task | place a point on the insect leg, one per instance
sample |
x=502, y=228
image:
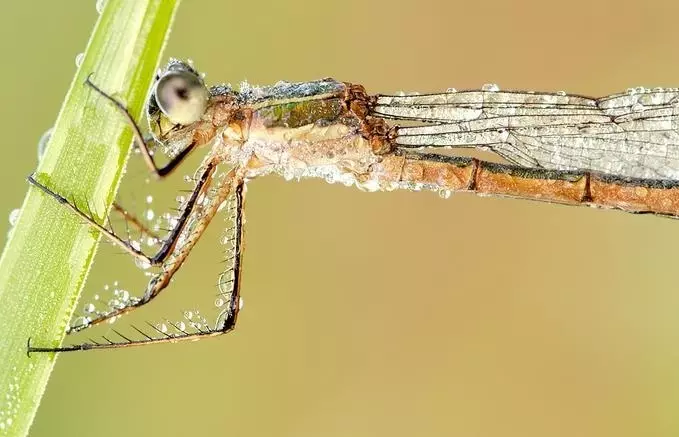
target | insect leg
x=224, y=324
x=159, y=282
x=134, y=221
x=168, y=244
x=139, y=137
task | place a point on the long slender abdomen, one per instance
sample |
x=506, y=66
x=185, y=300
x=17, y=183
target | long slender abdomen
x=416, y=171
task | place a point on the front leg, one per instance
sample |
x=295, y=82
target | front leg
x=142, y=142
x=168, y=244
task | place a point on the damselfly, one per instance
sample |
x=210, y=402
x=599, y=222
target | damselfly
x=620, y=151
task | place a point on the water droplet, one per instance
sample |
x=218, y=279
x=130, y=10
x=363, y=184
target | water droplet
x=96, y=297
x=188, y=315
x=240, y=303
x=492, y=87
x=181, y=199
x=638, y=107
x=451, y=90
x=150, y=214
x=14, y=216
x=149, y=199
x=142, y=263
x=561, y=93
x=89, y=308
x=444, y=193
x=84, y=321
x=79, y=59
x=181, y=326
x=106, y=287
x=42, y=142
x=100, y=5
x=219, y=302
x=163, y=328
x=124, y=295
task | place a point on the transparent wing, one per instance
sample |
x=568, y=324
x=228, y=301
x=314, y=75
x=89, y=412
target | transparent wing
x=633, y=134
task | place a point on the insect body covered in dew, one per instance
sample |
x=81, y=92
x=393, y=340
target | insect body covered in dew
x=313, y=129
x=614, y=152
x=310, y=129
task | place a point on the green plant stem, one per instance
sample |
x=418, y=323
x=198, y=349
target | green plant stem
x=49, y=251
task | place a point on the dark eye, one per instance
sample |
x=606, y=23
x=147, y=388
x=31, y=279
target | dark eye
x=182, y=97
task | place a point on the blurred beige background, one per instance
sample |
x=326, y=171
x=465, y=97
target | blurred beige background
x=392, y=314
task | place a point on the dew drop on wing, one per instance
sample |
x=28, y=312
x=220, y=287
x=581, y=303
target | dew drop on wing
x=638, y=107
x=219, y=302
x=492, y=87
x=79, y=59
x=149, y=199
x=89, y=308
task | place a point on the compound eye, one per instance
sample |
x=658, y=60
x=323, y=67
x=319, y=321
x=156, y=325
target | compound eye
x=182, y=97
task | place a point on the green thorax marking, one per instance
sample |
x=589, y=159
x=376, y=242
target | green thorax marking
x=300, y=113
x=293, y=105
